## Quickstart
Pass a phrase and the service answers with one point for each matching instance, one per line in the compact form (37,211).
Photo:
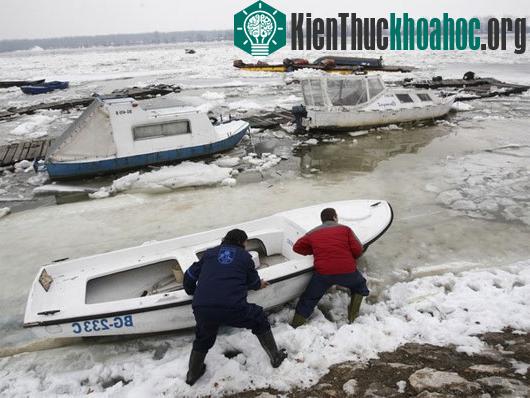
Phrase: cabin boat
(359,102)
(118,134)
(139,289)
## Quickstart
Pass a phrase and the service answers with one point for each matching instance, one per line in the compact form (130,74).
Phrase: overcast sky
(21,19)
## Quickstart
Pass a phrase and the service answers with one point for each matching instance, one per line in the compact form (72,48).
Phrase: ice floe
(35,127)
(461,106)
(4,211)
(185,174)
(494,184)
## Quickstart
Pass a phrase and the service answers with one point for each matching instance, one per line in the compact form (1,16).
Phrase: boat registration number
(102,324)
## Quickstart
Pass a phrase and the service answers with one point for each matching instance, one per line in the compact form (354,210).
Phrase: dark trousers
(209,319)
(319,284)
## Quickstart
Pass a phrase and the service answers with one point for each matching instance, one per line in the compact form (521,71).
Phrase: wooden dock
(138,93)
(27,150)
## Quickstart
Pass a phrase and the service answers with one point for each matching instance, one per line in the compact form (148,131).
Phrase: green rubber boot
(353,308)
(298,320)
(196,367)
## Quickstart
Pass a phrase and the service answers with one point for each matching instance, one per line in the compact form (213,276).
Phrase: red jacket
(333,246)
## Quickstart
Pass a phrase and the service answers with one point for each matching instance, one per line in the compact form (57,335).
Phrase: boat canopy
(341,91)
(90,136)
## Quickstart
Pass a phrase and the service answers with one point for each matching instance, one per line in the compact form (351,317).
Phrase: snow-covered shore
(439,310)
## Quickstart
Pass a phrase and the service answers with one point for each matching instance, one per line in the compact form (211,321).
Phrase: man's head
(235,237)
(329,214)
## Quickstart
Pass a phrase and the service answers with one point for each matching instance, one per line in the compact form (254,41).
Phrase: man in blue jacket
(219,283)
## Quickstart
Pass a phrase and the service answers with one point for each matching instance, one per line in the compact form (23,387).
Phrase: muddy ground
(427,371)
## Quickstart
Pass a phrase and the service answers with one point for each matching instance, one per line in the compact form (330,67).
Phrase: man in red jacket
(334,248)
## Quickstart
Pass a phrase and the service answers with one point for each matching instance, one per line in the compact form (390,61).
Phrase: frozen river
(460,188)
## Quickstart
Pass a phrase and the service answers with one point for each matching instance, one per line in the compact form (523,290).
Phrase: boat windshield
(375,86)
(347,92)
(312,91)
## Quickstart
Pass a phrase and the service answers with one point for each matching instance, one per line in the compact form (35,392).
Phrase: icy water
(460,188)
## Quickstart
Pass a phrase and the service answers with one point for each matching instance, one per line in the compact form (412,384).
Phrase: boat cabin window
(312,91)
(347,92)
(160,130)
(404,98)
(425,97)
(375,86)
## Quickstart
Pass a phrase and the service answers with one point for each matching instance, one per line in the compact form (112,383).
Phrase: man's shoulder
(329,227)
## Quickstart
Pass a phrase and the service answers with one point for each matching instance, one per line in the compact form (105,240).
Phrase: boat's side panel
(85,169)
(343,120)
(47,313)
(171,317)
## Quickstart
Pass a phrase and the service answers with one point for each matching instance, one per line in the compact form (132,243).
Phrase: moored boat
(44,87)
(18,83)
(346,103)
(118,134)
(139,289)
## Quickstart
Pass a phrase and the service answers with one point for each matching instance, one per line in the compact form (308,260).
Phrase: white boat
(139,289)
(119,134)
(358,102)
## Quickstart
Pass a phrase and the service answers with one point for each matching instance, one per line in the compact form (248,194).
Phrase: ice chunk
(461,106)
(227,162)
(4,211)
(186,174)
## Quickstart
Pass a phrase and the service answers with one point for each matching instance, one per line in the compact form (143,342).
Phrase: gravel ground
(427,371)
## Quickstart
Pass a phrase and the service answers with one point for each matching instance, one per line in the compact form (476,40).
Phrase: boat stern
(232,131)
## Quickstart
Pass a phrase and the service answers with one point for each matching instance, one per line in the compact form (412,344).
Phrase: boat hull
(123,292)
(356,120)
(44,87)
(69,170)
(169,316)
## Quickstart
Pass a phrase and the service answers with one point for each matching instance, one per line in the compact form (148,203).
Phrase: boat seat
(178,274)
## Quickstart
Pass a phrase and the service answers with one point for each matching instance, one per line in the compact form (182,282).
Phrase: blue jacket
(222,277)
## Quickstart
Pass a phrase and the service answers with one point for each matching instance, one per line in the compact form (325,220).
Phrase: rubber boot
(196,367)
(354,306)
(298,320)
(269,345)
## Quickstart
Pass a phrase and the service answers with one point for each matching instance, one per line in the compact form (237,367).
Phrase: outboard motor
(299,113)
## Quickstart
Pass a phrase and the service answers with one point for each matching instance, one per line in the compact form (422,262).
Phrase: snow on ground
(440,310)
(477,192)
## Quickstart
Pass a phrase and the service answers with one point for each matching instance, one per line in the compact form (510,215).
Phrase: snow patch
(439,310)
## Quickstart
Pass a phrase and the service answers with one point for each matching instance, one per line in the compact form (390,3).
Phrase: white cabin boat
(139,289)
(118,134)
(348,103)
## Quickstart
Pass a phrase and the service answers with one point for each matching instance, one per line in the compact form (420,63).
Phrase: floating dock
(134,92)
(26,150)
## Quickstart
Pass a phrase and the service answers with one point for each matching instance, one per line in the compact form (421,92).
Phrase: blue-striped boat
(118,134)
